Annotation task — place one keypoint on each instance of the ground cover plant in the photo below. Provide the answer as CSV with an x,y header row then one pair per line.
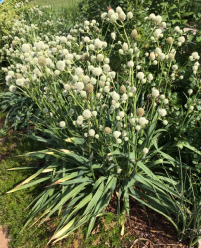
x,y
129,130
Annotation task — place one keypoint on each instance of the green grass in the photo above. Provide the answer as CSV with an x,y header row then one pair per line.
x,y
68,4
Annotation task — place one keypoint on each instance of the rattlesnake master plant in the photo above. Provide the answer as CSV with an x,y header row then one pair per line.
x,y
105,131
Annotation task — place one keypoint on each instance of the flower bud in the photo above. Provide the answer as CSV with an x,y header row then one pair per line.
x,y
107,130
89,88
134,34
140,112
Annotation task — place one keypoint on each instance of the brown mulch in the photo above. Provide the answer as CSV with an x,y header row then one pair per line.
x,y
150,229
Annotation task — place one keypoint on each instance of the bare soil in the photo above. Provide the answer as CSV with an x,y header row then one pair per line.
x,y
4,240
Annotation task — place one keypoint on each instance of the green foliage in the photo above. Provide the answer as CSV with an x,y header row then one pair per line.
x,y
9,12
178,12
13,212
110,117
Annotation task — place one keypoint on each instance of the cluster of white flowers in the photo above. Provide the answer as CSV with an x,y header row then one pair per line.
x,y
98,101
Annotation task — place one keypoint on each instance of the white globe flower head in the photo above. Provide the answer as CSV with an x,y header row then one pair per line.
x,y
195,68
195,55
142,121
103,78
113,18
117,105
83,94
157,33
11,73
62,124
163,24
158,50
158,19
103,16
191,108
110,13
175,67
40,45
177,29
119,141
100,57
98,43
8,78
190,91
125,46
116,134
140,75
122,16
129,15
106,60
124,97
97,136
45,111
60,65
144,81
94,113
97,71
165,101
79,122
138,128
181,39
20,82
155,62
63,39
12,88
145,150
86,79
79,86
25,48
155,92
86,114
86,39
91,132
130,64
75,78
79,71
165,122
80,118
161,56
121,52
56,72
113,35
152,56
115,96
106,68
91,47
162,112
119,9
133,89
162,97
93,80
152,17
150,77
121,114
